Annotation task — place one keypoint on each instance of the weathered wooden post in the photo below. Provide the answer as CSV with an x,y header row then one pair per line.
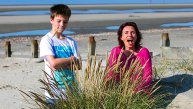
x,y
8,49
151,54
34,49
91,45
165,41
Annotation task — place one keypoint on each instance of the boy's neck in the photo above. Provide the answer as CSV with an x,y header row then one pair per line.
x,y
56,34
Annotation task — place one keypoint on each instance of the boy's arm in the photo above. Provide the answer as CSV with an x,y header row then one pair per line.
x,y
78,64
77,61
57,63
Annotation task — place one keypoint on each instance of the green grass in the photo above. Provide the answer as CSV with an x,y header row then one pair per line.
x,y
92,90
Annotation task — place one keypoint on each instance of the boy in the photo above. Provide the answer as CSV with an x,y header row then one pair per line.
x,y
58,51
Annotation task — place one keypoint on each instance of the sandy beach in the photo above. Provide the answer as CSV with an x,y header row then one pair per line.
x,y
22,72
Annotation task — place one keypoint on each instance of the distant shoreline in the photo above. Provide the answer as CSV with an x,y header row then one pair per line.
x,y
94,23
86,23
98,6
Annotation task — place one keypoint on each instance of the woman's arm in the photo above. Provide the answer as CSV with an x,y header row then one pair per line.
x,y
112,61
147,70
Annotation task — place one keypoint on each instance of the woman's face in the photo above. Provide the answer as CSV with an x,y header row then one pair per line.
x,y
129,37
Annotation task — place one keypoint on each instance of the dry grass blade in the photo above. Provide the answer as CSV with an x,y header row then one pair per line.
x,y
92,89
99,66
55,33
22,92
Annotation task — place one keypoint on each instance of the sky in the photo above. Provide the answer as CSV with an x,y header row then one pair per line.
x,y
27,2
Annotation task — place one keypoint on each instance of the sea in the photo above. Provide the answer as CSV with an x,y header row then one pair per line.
x,y
82,2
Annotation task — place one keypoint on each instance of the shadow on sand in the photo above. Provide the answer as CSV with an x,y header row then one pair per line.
x,y
175,85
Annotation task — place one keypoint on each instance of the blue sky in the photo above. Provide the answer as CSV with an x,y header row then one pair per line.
x,y
17,2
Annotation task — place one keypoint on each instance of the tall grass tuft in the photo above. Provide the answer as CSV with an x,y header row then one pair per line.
x,y
93,90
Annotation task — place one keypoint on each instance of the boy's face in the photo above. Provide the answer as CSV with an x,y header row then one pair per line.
x,y
59,23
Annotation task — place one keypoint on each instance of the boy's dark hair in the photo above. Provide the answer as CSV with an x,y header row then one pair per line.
x,y
60,9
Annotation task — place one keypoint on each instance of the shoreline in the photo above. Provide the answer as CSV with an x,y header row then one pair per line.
x,y
97,6
86,23
78,37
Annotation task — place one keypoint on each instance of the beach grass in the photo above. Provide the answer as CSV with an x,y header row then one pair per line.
x,y
91,89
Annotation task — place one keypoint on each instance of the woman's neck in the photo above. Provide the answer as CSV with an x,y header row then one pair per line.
x,y
132,51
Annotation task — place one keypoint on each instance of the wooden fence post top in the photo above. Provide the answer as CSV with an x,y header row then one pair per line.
x,y
91,45
34,48
7,42
34,41
91,39
165,41
165,35
7,49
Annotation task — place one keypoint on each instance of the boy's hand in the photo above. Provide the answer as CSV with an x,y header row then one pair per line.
x,y
76,62
73,61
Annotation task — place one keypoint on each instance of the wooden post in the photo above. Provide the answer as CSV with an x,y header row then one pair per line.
x,y
165,41
34,49
91,45
151,54
8,49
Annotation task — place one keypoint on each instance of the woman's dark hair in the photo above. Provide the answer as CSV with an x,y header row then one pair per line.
x,y
138,33
60,9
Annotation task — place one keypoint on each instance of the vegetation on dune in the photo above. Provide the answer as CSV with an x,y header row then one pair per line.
x,y
91,89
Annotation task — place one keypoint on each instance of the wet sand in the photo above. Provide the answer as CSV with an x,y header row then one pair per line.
x,y
145,21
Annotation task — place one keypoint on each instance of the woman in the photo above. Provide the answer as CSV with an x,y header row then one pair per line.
x,y
129,39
